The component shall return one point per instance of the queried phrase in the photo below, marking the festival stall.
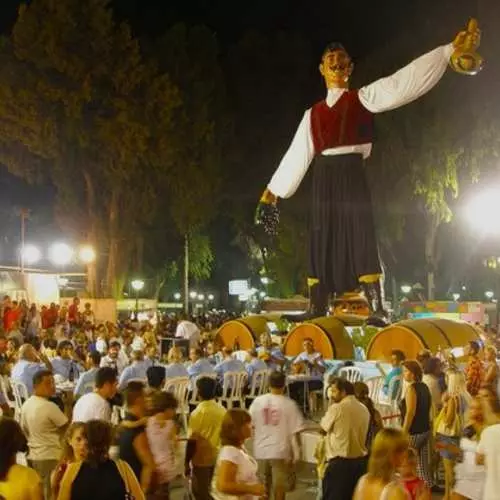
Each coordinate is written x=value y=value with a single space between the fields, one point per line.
x=413 y=336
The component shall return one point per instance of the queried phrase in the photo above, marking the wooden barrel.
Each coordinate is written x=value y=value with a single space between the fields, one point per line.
x=328 y=334
x=242 y=331
x=414 y=335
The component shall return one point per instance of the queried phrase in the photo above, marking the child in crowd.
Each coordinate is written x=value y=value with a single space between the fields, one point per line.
x=161 y=431
x=415 y=487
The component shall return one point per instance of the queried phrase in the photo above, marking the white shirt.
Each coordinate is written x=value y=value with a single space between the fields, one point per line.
x=41 y=421
x=403 y=87
x=119 y=363
x=276 y=419
x=489 y=446
x=91 y=406
x=189 y=331
x=246 y=471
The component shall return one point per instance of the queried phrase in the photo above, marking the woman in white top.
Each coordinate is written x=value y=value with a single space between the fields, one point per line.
x=387 y=455
x=235 y=470
x=431 y=368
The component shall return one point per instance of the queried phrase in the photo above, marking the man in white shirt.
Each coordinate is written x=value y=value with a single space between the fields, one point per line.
x=113 y=359
x=488 y=453
x=338 y=133
x=95 y=405
x=346 y=426
x=43 y=424
x=189 y=331
x=277 y=422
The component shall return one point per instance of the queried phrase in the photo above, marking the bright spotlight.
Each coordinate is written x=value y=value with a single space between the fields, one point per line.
x=193 y=294
x=482 y=212
x=86 y=254
x=211 y=296
x=201 y=297
x=177 y=296
x=406 y=289
x=456 y=296
x=61 y=254
x=489 y=294
x=31 y=254
x=137 y=285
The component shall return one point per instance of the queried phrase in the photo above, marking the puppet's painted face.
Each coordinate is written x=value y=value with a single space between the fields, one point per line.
x=336 y=68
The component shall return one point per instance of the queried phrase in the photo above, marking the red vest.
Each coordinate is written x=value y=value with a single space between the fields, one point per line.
x=347 y=123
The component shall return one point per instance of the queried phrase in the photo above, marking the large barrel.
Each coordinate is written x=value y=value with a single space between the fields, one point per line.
x=414 y=335
x=328 y=334
x=242 y=331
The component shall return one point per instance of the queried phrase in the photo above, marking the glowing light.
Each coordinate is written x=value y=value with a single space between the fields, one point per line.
x=406 y=289
x=201 y=297
x=265 y=280
x=137 y=285
x=31 y=254
x=489 y=294
x=193 y=294
x=87 y=254
x=177 y=296
x=456 y=296
x=482 y=212
x=211 y=296
x=61 y=254
x=262 y=295
x=63 y=282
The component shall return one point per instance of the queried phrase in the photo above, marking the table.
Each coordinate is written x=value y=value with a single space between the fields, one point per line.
x=305 y=379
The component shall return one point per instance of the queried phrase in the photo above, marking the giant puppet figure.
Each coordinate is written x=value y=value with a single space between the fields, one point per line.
x=337 y=133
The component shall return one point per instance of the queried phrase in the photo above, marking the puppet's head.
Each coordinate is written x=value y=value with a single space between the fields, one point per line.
x=336 y=66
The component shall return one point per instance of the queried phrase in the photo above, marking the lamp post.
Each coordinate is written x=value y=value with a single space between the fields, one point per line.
x=137 y=285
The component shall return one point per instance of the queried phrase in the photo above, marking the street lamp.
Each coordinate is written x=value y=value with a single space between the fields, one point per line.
x=177 y=296
x=61 y=254
x=30 y=254
x=456 y=296
x=489 y=294
x=211 y=296
x=193 y=294
x=262 y=295
x=406 y=289
x=201 y=297
x=137 y=285
x=482 y=212
x=87 y=254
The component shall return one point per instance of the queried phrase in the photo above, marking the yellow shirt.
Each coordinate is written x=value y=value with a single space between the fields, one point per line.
x=22 y=483
x=204 y=427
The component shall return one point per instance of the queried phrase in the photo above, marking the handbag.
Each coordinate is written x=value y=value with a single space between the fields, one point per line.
x=128 y=494
x=453 y=430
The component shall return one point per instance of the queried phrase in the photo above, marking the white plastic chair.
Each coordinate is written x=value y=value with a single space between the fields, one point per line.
x=375 y=385
x=194 y=395
x=351 y=373
x=260 y=384
x=232 y=389
x=179 y=387
x=20 y=392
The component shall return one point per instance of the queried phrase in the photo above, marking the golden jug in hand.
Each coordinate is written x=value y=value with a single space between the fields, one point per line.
x=465 y=59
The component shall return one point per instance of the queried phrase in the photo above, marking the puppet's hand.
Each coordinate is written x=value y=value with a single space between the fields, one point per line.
x=267 y=213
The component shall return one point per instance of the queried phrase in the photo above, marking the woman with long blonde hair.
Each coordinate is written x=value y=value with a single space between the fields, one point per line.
x=388 y=453
x=491 y=372
x=450 y=423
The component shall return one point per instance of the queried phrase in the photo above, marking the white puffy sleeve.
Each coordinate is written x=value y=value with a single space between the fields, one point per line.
x=407 y=84
x=296 y=161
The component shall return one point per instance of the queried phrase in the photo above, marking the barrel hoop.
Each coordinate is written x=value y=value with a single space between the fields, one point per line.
x=442 y=331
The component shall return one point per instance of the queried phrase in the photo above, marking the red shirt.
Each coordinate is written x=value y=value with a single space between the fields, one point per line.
x=9 y=317
x=73 y=314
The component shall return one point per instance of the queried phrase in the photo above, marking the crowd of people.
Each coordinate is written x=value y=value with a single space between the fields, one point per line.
x=102 y=387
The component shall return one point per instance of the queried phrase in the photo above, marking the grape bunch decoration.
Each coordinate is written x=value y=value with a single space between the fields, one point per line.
x=268 y=216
